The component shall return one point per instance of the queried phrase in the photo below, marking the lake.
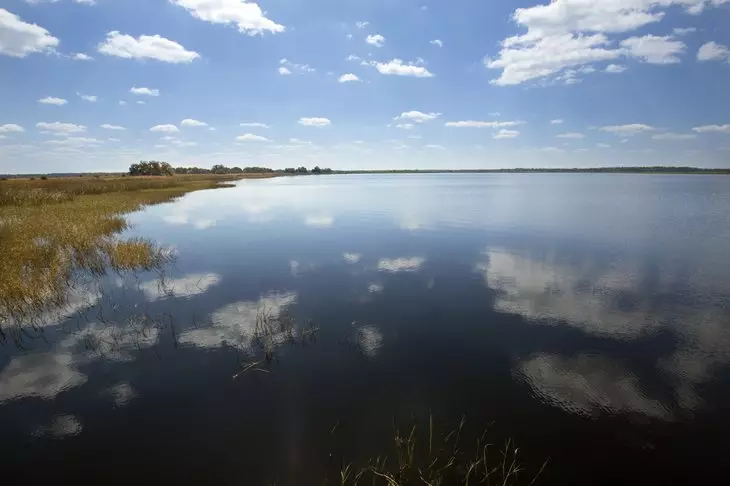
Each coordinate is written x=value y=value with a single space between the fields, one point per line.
x=586 y=317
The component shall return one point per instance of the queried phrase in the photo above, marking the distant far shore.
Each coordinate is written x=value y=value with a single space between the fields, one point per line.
x=597 y=170
x=520 y=170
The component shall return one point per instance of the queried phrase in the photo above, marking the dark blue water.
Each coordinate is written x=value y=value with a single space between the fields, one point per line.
x=587 y=317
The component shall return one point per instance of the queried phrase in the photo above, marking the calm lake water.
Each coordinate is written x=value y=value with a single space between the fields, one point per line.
x=587 y=317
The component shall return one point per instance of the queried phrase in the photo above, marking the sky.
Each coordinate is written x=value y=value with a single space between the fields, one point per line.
x=96 y=85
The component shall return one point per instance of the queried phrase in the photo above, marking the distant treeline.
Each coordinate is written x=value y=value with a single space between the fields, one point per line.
x=156 y=168
x=222 y=169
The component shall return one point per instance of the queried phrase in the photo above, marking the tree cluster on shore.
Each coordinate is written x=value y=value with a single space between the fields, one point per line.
x=154 y=168
x=151 y=168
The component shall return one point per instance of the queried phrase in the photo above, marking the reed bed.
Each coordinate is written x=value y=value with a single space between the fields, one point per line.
x=54 y=229
x=426 y=457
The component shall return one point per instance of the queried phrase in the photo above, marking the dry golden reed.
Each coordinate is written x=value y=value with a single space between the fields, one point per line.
x=54 y=229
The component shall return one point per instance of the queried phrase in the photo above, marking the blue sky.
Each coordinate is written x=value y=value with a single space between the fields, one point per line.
x=368 y=84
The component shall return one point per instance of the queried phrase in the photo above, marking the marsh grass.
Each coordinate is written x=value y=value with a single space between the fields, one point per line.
x=432 y=459
x=53 y=230
x=270 y=331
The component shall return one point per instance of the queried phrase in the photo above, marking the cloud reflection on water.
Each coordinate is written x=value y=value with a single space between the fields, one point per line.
x=184 y=287
x=62 y=426
x=369 y=340
x=588 y=385
x=319 y=221
x=375 y=288
x=121 y=394
x=609 y=302
x=351 y=258
x=185 y=219
x=395 y=265
x=551 y=292
x=45 y=375
x=235 y=324
x=41 y=375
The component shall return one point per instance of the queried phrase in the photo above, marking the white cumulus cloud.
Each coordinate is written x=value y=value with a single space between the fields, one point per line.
x=376 y=40
x=19 y=38
x=615 y=68
x=189 y=122
x=108 y=126
x=247 y=16
x=250 y=137
x=573 y=135
x=571 y=34
x=255 y=125
x=76 y=142
x=437 y=42
x=288 y=67
x=315 y=122
x=153 y=47
x=712 y=51
x=144 y=91
x=397 y=67
x=630 y=129
x=165 y=129
x=481 y=124
x=59 y=127
x=417 y=116
x=654 y=49
x=89 y=98
x=11 y=128
x=712 y=129
x=52 y=100
x=674 y=136
x=80 y=56
x=504 y=133
x=348 y=78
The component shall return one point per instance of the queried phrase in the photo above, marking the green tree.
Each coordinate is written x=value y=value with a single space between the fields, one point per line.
x=219 y=169
x=151 y=168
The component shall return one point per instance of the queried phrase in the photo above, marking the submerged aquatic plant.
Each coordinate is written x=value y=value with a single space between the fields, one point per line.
x=271 y=331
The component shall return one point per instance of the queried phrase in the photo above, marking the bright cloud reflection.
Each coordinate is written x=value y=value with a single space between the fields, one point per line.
x=48 y=374
x=184 y=219
x=374 y=288
x=319 y=221
x=41 y=375
x=184 y=287
x=351 y=257
x=234 y=324
x=62 y=426
x=369 y=340
x=610 y=302
x=395 y=265
x=588 y=385
x=550 y=292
